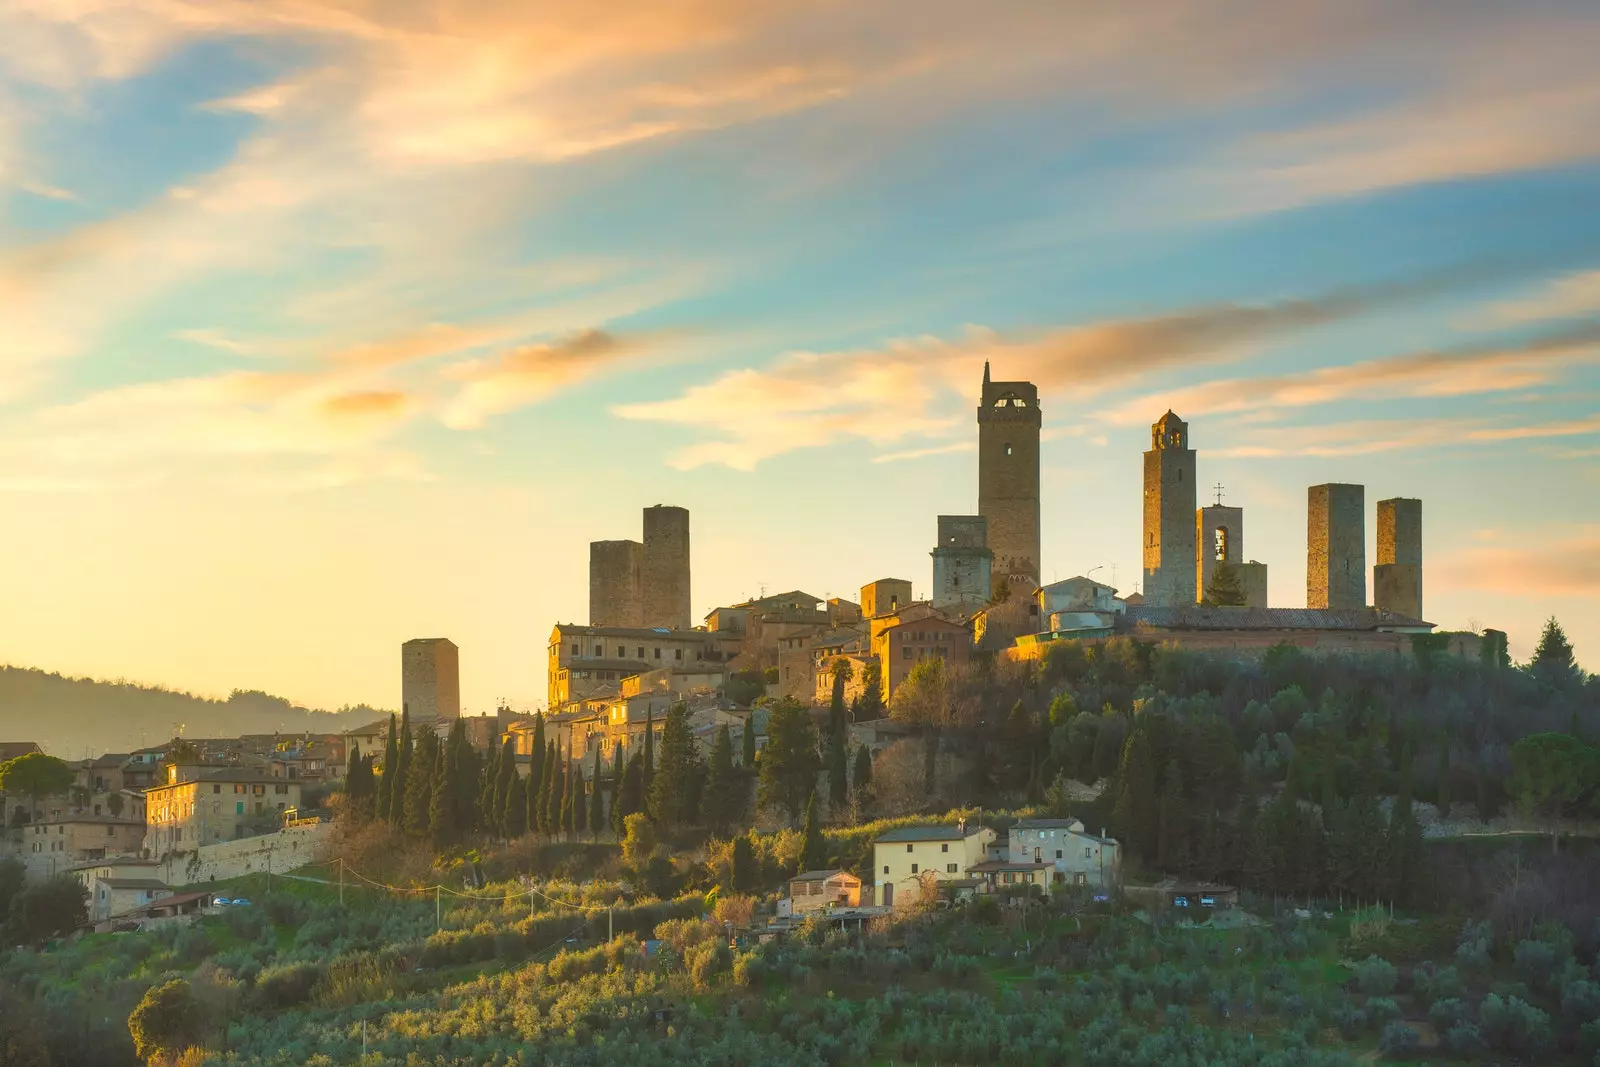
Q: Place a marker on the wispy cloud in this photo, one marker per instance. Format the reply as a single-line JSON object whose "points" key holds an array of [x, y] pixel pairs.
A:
{"points": [[1369, 436], [1568, 297], [913, 388], [530, 373], [921, 453], [1482, 368]]}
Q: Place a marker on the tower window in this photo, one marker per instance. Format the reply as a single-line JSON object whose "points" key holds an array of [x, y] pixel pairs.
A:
{"points": [[1008, 450], [1222, 542]]}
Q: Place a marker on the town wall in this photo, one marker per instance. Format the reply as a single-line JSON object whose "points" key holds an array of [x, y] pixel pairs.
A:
{"points": [[285, 850]]}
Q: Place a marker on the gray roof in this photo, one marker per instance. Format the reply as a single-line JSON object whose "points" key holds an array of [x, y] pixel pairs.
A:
{"points": [[133, 883], [820, 876], [1198, 617], [921, 833]]}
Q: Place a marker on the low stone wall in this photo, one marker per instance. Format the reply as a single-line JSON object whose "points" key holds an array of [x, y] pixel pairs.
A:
{"points": [[285, 850]]}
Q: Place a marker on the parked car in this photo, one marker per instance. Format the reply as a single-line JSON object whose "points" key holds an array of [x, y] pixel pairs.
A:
{"points": [[221, 902]]}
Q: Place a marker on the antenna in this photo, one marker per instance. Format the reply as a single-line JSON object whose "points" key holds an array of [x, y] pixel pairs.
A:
{"points": [[1218, 488]]}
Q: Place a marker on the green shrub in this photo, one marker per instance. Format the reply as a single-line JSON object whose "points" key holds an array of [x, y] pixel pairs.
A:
{"points": [[1376, 976], [1397, 1039]]}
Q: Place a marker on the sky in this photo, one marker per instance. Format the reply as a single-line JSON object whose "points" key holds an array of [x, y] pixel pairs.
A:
{"points": [[326, 324]]}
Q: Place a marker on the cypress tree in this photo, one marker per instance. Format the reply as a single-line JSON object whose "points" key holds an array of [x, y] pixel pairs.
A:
{"points": [[505, 774], [746, 876], [550, 802], [419, 783], [401, 787], [813, 849], [747, 751], [597, 812], [442, 804], [577, 800], [391, 771], [863, 775], [630, 793], [838, 747], [649, 767], [725, 784], [513, 821], [463, 778], [486, 783], [1172, 820], [675, 790], [536, 767], [533, 795]]}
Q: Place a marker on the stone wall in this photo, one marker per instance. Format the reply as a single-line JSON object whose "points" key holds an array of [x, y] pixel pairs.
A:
{"points": [[664, 569], [1336, 546], [282, 851], [614, 583]]}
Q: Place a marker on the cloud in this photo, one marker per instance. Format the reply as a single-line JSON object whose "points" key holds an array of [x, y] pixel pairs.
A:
{"points": [[920, 453], [1543, 564], [1568, 297], [912, 388], [1369, 436], [530, 373], [1482, 368]]}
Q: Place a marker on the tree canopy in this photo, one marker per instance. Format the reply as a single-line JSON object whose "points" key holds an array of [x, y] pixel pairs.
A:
{"points": [[789, 761]]}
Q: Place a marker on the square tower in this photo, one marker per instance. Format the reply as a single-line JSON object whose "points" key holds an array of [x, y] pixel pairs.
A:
{"points": [[615, 595], [430, 679], [1008, 476], [664, 568], [885, 596], [1218, 538], [1336, 546], [961, 563], [1169, 523], [1397, 578]]}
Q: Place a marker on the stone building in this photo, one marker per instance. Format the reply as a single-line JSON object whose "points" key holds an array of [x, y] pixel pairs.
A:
{"points": [[634, 583], [80, 836], [1253, 580], [200, 805], [1336, 547], [616, 588], [1397, 578], [585, 659], [914, 633], [1008, 477], [1169, 524], [961, 564], [884, 597], [430, 679]]}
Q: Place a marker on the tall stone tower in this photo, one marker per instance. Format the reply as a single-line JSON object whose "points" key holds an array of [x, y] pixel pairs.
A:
{"points": [[615, 594], [665, 569], [1008, 476], [1169, 515], [430, 679], [1336, 546], [1397, 578], [1218, 538], [962, 563]]}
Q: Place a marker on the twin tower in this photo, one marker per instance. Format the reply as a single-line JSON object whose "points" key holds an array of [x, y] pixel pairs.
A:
{"points": [[1182, 546], [643, 584]]}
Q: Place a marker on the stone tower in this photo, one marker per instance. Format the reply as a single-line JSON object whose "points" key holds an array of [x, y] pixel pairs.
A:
{"points": [[1336, 546], [1397, 579], [1218, 537], [1008, 476], [1169, 515], [664, 571], [430, 679], [962, 563], [614, 590]]}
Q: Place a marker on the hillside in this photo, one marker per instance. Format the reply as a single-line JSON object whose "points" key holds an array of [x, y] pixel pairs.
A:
{"points": [[73, 716]]}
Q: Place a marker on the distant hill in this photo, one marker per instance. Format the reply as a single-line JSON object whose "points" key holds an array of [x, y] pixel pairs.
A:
{"points": [[69, 716]]}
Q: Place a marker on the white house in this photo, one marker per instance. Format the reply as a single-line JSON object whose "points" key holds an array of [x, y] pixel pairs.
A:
{"points": [[1076, 856]]}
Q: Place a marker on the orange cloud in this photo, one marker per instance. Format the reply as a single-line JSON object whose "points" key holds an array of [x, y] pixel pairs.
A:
{"points": [[372, 402], [528, 374]]}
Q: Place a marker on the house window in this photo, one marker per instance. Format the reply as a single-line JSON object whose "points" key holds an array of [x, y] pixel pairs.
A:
{"points": [[216, 789], [944, 848], [1088, 852], [905, 652], [238, 807], [1058, 853], [622, 653], [885, 868], [950, 868], [677, 653], [575, 651], [658, 653], [599, 652], [280, 789], [641, 652], [913, 868], [908, 848]]}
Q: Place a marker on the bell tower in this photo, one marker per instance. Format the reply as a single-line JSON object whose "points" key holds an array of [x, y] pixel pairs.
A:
{"points": [[1008, 477], [1169, 515]]}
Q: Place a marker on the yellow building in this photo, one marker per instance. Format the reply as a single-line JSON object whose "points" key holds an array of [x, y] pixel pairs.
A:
{"points": [[903, 858], [203, 805]]}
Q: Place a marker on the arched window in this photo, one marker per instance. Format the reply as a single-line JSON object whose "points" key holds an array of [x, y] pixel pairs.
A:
{"points": [[1222, 542]]}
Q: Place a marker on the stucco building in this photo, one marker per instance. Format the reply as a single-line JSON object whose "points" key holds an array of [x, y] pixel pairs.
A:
{"points": [[1074, 855], [902, 857]]}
